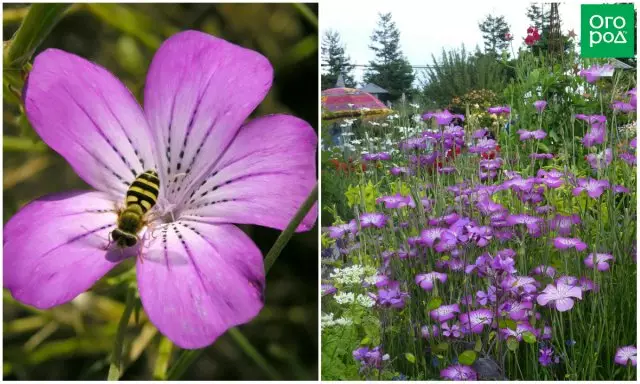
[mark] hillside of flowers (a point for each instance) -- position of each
(487, 243)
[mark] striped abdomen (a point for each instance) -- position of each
(144, 191)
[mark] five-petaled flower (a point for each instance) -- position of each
(560, 295)
(200, 275)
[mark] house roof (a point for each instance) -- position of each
(372, 88)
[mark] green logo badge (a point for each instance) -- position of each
(607, 30)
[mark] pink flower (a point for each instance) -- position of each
(593, 73)
(426, 280)
(201, 274)
(600, 260)
(560, 295)
(569, 242)
(445, 312)
(627, 354)
(593, 187)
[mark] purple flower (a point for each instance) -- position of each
(569, 242)
(429, 333)
(370, 358)
(484, 298)
(451, 331)
(594, 136)
(413, 143)
(475, 321)
(480, 133)
(396, 171)
(516, 310)
(597, 121)
(378, 220)
(620, 189)
(442, 118)
(376, 156)
(593, 73)
(540, 105)
(560, 295)
(541, 156)
(621, 106)
(600, 260)
(341, 230)
(547, 357)
(396, 201)
(521, 328)
(627, 354)
(544, 270)
(392, 297)
(201, 275)
(593, 187)
(426, 280)
(483, 145)
(519, 184)
(445, 312)
(532, 223)
(538, 134)
(563, 224)
(499, 110)
(629, 158)
(459, 372)
(328, 289)
(600, 160)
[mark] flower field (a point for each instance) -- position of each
(486, 243)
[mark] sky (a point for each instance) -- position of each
(427, 29)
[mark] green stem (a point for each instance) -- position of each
(115, 369)
(285, 236)
(253, 353)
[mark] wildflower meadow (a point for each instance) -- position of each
(492, 241)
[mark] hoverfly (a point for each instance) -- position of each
(140, 198)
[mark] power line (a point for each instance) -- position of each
(369, 66)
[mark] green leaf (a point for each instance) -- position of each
(410, 358)
(478, 346)
(35, 27)
(508, 323)
(434, 303)
(442, 347)
(365, 341)
(467, 357)
(512, 343)
(529, 337)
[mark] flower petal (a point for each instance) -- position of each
(263, 178)
(564, 304)
(199, 91)
(197, 280)
(89, 117)
(54, 248)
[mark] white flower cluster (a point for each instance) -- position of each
(344, 297)
(365, 301)
(348, 276)
(327, 320)
(350, 298)
(371, 280)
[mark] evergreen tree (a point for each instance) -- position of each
(539, 17)
(390, 69)
(335, 61)
(494, 32)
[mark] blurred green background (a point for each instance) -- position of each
(74, 341)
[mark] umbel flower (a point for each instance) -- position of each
(198, 274)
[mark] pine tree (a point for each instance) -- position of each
(538, 17)
(390, 69)
(335, 61)
(494, 32)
